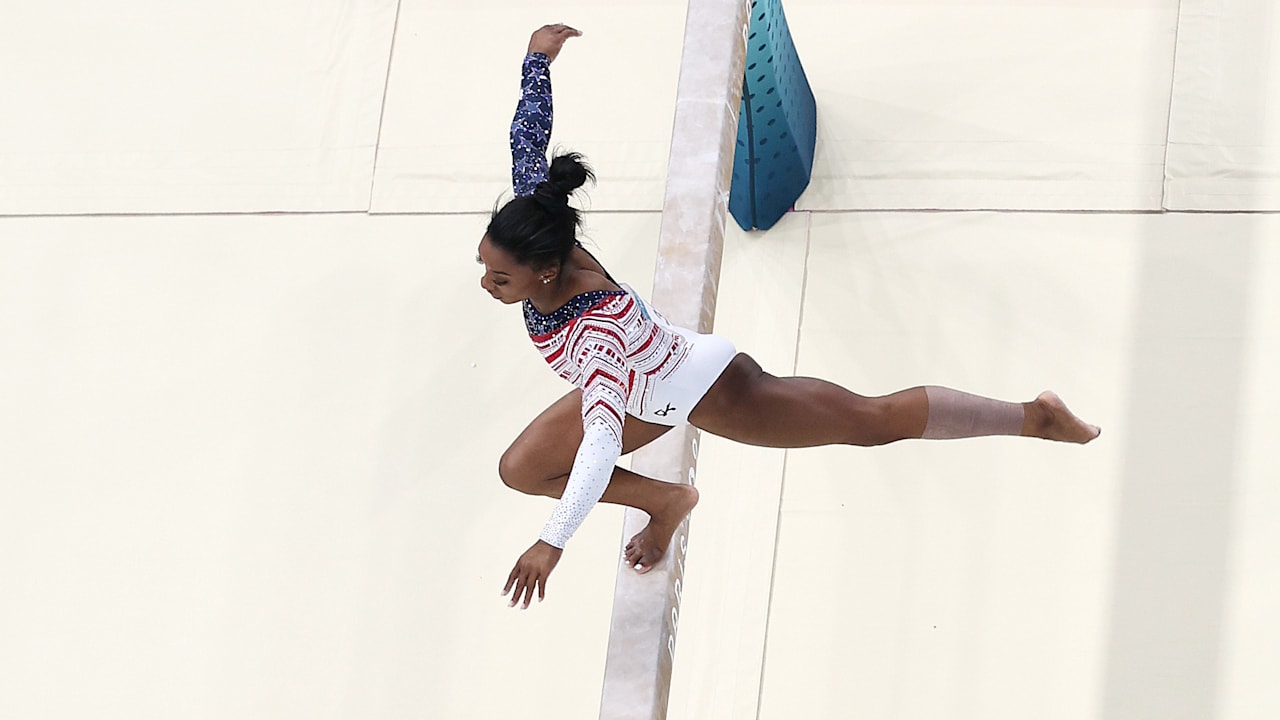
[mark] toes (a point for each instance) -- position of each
(647, 560)
(640, 554)
(635, 552)
(642, 564)
(637, 557)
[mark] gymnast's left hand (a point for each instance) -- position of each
(548, 39)
(530, 573)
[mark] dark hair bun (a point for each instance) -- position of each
(567, 173)
(541, 229)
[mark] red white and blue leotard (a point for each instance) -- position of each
(624, 356)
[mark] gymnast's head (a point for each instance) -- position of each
(530, 237)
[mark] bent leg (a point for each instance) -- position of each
(751, 406)
(540, 459)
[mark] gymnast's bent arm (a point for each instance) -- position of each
(599, 343)
(604, 409)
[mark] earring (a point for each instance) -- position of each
(546, 280)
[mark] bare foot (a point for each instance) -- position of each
(650, 544)
(1049, 418)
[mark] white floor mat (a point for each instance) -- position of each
(161, 107)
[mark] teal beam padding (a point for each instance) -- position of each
(777, 124)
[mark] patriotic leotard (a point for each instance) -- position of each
(624, 356)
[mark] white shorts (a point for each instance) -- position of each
(670, 401)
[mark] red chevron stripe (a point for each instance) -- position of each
(648, 342)
(554, 356)
(601, 373)
(601, 405)
(613, 331)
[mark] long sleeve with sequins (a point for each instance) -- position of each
(531, 126)
(597, 345)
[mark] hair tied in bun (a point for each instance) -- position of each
(550, 196)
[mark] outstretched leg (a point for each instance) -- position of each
(539, 461)
(749, 405)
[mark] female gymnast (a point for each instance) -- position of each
(637, 376)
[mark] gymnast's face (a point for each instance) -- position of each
(505, 279)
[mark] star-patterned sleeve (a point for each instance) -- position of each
(531, 126)
(598, 347)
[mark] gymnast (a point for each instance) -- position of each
(637, 376)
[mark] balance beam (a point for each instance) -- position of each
(646, 608)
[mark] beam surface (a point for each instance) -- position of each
(646, 608)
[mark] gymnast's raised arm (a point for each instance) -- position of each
(531, 126)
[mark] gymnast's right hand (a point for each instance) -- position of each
(548, 39)
(530, 573)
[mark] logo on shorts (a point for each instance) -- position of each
(665, 411)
